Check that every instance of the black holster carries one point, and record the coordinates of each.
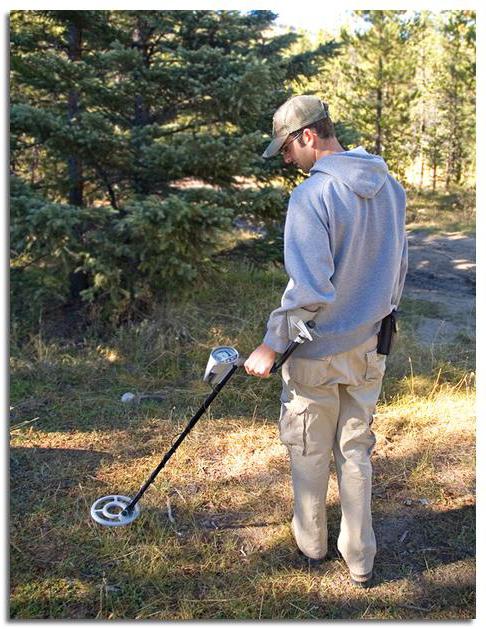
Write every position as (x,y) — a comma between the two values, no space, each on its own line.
(387,333)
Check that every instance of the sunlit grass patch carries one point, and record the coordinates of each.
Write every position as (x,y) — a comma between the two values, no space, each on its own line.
(424,489)
(212,523)
(452,212)
(213,539)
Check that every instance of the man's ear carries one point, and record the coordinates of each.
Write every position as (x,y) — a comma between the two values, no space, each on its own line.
(311,137)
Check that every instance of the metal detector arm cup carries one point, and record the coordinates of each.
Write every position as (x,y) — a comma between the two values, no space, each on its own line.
(296,321)
(302,336)
(302,329)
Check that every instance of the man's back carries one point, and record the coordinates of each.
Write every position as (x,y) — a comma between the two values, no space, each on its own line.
(345,248)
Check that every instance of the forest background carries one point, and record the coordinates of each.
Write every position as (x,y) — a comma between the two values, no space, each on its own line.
(146,229)
(136,137)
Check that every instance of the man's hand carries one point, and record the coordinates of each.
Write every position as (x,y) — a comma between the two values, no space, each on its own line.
(260,361)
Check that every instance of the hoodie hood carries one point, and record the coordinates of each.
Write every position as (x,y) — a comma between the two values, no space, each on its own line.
(364,173)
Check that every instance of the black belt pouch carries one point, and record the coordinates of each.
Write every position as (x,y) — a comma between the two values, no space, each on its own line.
(386,335)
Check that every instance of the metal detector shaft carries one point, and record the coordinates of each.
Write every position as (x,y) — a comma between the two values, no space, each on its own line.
(205,405)
(181,437)
(293,345)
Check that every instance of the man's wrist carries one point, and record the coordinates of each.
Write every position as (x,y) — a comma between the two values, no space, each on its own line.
(275,343)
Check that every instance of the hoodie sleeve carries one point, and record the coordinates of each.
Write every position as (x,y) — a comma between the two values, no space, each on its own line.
(402,273)
(308,263)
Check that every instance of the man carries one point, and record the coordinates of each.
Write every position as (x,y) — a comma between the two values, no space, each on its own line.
(345,253)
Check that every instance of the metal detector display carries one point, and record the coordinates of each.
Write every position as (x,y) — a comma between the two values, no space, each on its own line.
(225,354)
(220,362)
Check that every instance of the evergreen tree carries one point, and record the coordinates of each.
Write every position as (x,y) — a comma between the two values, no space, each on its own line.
(428,68)
(152,118)
(457,93)
(443,114)
(374,89)
(427,138)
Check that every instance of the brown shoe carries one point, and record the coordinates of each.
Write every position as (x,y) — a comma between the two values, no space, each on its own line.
(312,563)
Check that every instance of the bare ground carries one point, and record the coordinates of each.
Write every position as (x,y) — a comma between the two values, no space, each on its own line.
(442,271)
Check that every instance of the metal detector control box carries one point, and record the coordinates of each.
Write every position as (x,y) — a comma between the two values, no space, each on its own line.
(220,363)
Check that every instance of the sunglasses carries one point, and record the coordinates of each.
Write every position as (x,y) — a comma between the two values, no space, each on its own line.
(284,149)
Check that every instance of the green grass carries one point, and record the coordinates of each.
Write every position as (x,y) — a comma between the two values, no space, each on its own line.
(442,212)
(420,308)
(213,540)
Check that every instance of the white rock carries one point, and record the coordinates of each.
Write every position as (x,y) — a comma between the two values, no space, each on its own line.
(128,397)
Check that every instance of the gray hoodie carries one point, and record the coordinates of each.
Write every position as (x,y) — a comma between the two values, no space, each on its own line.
(345,253)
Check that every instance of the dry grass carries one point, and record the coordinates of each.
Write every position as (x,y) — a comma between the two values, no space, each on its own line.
(213,540)
(452,211)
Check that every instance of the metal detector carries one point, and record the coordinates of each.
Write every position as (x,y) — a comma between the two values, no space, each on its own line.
(223,362)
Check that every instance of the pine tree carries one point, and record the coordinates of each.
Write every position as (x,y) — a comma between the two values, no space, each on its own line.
(427,133)
(374,88)
(152,118)
(443,114)
(458,93)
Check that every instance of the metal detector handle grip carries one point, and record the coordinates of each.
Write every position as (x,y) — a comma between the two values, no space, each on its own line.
(290,349)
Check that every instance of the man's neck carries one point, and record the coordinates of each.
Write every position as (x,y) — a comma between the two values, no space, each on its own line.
(328,147)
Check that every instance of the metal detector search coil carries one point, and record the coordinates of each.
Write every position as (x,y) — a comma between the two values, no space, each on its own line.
(111,511)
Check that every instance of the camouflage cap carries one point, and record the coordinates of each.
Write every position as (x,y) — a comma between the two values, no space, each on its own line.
(295,113)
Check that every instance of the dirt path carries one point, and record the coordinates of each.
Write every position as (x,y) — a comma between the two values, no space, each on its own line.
(442,270)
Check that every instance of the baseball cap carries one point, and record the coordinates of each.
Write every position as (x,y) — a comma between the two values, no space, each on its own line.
(295,113)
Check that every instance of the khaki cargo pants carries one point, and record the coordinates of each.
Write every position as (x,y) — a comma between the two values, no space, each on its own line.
(328,405)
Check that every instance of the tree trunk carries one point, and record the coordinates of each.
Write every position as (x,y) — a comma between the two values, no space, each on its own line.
(448,173)
(423,128)
(458,177)
(379,110)
(74,162)
(140,39)
(78,280)
(34,165)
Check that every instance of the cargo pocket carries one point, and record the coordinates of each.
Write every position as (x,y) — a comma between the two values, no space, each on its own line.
(292,424)
(375,365)
(309,372)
